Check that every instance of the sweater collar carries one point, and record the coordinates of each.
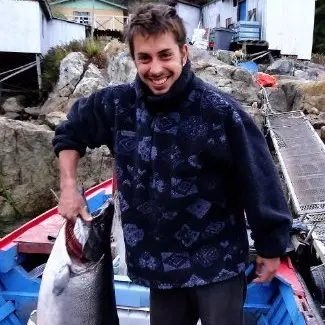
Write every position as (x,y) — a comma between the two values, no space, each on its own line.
(177,92)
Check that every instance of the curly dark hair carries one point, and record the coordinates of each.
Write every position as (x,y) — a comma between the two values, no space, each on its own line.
(153,19)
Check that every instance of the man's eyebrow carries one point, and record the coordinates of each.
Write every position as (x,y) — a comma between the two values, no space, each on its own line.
(160,52)
(142,53)
(164,50)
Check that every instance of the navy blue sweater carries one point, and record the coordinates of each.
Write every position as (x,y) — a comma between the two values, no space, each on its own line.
(189,164)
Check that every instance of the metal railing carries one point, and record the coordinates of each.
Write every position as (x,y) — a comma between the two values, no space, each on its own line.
(102,22)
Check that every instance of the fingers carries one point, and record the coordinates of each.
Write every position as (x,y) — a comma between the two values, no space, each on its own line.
(82,212)
(72,205)
(85,215)
(259,266)
(266,269)
(264,277)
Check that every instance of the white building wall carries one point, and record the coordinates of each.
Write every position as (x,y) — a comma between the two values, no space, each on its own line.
(289,27)
(191,17)
(260,6)
(59,32)
(211,13)
(20,26)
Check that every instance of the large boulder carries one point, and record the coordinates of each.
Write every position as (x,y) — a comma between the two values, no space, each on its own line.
(12,105)
(121,68)
(232,80)
(77,79)
(29,169)
(71,70)
(91,81)
(281,67)
(53,119)
(277,99)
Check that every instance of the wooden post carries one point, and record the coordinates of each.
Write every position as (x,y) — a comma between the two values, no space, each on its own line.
(39,74)
(93,20)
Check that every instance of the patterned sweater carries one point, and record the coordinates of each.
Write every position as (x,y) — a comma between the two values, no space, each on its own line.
(190,165)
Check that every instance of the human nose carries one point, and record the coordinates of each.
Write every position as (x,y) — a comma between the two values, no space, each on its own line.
(156,67)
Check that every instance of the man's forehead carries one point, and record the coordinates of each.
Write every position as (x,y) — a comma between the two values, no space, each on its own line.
(145,43)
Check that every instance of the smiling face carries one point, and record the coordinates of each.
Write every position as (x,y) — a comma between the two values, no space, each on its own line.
(159,60)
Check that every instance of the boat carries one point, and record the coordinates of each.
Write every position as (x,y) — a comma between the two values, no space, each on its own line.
(23,254)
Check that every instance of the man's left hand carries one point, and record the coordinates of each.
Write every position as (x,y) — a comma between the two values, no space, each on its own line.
(266,269)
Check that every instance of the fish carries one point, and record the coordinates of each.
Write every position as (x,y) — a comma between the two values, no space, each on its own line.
(118,235)
(77,286)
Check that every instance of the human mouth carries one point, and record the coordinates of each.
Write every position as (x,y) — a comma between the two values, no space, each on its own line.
(159,82)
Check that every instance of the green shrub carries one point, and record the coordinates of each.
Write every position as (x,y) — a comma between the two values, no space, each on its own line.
(318,58)
(92,49)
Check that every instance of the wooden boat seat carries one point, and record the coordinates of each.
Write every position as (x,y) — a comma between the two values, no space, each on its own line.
(40,238)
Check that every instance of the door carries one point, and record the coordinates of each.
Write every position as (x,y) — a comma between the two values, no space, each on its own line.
(242,10)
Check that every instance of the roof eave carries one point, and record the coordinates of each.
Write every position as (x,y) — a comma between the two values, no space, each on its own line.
(46,8)
(189,4)
(105,1)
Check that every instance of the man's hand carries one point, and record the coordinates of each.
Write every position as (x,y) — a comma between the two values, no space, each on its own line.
(72,204)
(266,269)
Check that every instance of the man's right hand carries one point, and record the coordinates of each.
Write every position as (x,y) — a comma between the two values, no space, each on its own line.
(72,204)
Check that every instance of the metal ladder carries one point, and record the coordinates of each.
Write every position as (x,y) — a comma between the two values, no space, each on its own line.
(301,154)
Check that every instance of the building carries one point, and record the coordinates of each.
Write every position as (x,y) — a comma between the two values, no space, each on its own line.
(27,31)
(287,25)
(107,15)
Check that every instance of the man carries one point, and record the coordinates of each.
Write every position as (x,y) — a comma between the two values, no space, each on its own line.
(189,163)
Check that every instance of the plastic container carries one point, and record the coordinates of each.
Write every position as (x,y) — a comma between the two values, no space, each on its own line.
(222,38)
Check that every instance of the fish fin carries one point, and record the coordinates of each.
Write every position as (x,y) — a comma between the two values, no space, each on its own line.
(61,280)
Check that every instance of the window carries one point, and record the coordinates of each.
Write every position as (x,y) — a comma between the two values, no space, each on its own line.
(252,14)
(82,17)
(229,22)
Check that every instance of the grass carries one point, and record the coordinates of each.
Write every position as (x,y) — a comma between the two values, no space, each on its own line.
(318,58)
(314,88)
(92,49)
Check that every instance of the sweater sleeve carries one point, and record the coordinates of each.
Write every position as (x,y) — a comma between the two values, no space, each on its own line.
(90,123)
(262,195)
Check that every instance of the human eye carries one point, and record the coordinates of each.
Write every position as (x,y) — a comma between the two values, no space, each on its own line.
(143,58)
(166,55)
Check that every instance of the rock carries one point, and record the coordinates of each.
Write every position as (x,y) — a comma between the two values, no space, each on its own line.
(12,105)
(301,74)
(121,68)
(33,111)
(322,116)
(235,81)
(71,71)
(29,168)
(262,67)
(313,94)
(91,81)
(256,114)
(322,133)
(227,57)
(281,67)
(12,116)
(53,119)
(312,110)
(55,103)
(277,99)
(318,124)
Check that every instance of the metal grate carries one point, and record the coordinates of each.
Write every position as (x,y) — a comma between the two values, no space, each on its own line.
(302,157)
